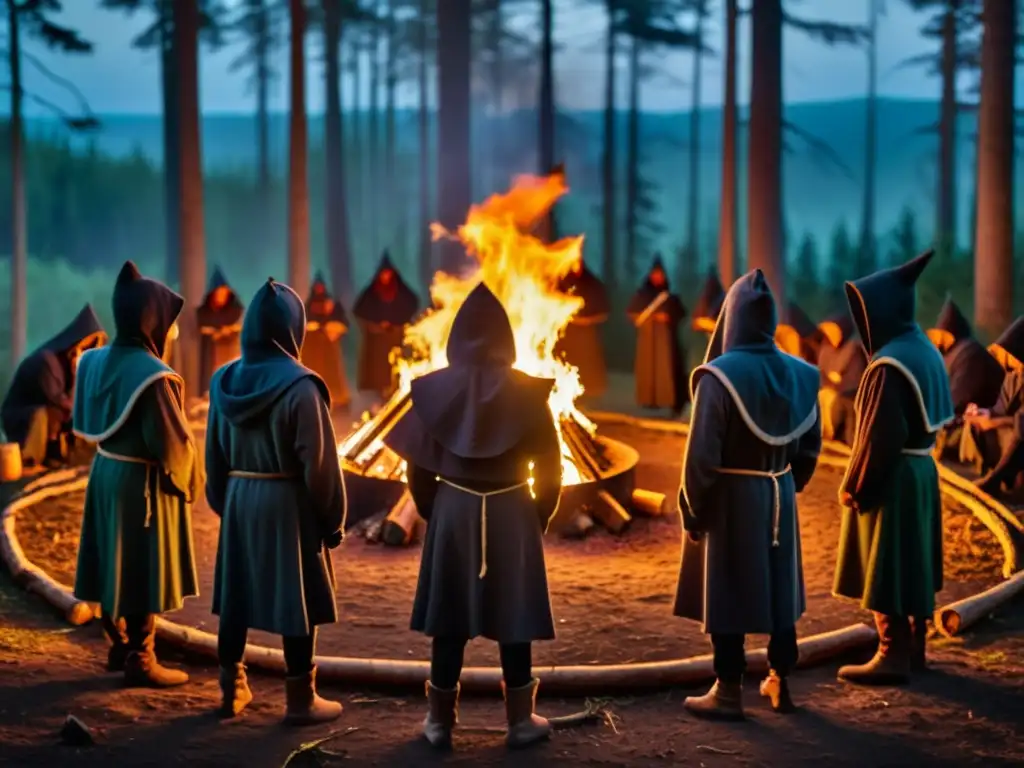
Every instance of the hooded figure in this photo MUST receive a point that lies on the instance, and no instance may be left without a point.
(383, 310)
(709, 305)
(841, 362)
(754, 441)
(975, 376)
(326, 323)
(797, 334)
(660, 364)
(36, 411)
(580, 343)
(136, 557)
(219, 318)
(1008, 349)
(484, 469)
(890, 541)
(274, 480)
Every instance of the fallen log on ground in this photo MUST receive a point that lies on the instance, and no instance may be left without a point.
(649, 503)
(953, 619)
(399, 526)
(610, 513)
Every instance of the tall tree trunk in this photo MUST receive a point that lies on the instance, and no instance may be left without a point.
(945, 215)
(633, 158)
(190, 210)
(298, 155)
(339, 255)
(496, 32)
(425, 262)
(546, 112)
(19, 213)
(454, 179)
(867, 261)
(171, 128)
(727, 215)
(373, 144)
(993, 265)
(356, 146)
(609, 233)
(262, 104)
(390, 204)
(764, 166)
(693, 199)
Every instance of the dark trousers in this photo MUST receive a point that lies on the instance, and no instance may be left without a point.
(446, 655)
(1009, 466)
(298, 651)
(731, 660)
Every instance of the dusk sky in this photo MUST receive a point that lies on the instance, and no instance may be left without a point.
(120, 79)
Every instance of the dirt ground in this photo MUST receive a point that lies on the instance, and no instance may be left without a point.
(611, 598)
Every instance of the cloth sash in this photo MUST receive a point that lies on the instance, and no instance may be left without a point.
(150, 466)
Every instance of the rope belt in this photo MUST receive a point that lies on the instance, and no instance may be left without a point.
(483, 496)
(246, 475)
(150, 468)
(918, 451)
(777, 492)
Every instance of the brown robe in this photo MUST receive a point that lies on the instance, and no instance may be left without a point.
(326, 323)
(580, 344)
(220, 329)
(659, 367)
(382, 311)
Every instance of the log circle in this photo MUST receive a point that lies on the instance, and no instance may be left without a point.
(559, 680)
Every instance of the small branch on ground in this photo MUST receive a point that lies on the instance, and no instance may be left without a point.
(315, 746)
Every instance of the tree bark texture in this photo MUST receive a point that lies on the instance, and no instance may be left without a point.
(693, 198)
(945, 214)
(19, 212)
(609, 233)
(727, 216)
(298, 152)
(339, 254)
(633, 159)
(425, 262)
(171, 128)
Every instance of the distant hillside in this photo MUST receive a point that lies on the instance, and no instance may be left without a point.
(818, 195)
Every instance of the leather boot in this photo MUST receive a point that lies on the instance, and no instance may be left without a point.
(723, 702)
(118, 651)
(891, 662)
(442, 715)
(918, 644)
(525, 727)
(305, 706)
(234, 690)
(775, 688)
(141, 668)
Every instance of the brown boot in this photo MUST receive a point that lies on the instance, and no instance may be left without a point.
(118, 651)
(234, 690)
(891, 663)
(442, 715)
(525, 727)
(141, 668)
(305, 707)
(723, 702)
(918, 644)
(775, 688)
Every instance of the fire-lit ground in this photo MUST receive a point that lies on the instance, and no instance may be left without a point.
(611, 596)
(614, 595)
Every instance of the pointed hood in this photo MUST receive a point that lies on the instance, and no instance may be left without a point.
(883, 304)
(84, 331)
(321, 306)
(272, 337)
(383, 302)
(582, 282)
(229, 314)
(144, 310)
(951, 327)
(648, 292)
(709, 304)
(1008, 349)
(775, 394)
(479, 407)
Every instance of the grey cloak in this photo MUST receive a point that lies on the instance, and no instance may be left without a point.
(135, 555)
(273, 476)
(473, 433)
(754, 441)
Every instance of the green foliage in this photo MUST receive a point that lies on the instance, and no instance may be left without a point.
(805, 280)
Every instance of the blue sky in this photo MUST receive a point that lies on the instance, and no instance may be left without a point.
(120, 79)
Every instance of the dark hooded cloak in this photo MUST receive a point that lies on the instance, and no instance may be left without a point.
(580, 344)
(975, 376)
(890, 543)
(754, 411)
(383, 311)
(659, 367)
(709, 304)
(43, 386)
(219, 329)
(136, 556)
(1008, 349)
(480, 426)
(326, 323)
(273, 476)
(797, 334)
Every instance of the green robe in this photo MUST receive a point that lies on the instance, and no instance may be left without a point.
(136, 554)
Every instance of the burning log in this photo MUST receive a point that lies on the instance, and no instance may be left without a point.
(649, 503)
(956, 617)
(399, 526)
